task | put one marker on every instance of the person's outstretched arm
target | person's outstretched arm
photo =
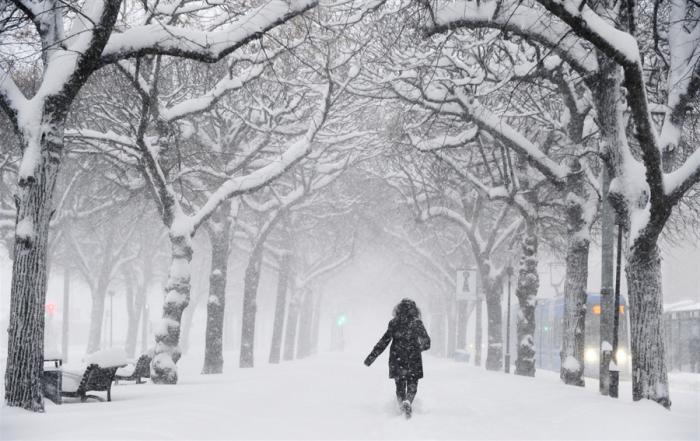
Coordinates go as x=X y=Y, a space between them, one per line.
x=423 y=337
x=380 y=346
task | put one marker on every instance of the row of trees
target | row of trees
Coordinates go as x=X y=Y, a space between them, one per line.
x=507 y=126
x=550 y=106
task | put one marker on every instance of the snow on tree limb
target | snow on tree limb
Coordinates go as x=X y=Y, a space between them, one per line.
x=456 y=102
x=514 y=16
x=446 y=141
x=262 y=176
x=621 y=47
x=204 y=46
x=454 y=217
x=203 y=102
x=680 y=180
x=683 y=74
x=12 y=100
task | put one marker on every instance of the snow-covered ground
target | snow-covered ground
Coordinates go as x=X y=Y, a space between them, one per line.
x=334 y=396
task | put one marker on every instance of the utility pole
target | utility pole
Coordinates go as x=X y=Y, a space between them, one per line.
x=607 y=220
x=66 y=314
x=477 y=332
x=509 y=272
x=615 y=372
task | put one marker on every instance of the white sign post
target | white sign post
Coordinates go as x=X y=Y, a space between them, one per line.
x=466 y=284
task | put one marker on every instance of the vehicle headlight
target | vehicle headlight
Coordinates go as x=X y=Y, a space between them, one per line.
x=621 y=356
x=590 y=355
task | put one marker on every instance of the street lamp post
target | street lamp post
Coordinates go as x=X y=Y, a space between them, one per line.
x=509 y=272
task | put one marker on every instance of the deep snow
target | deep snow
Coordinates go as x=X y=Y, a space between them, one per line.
x=334 y=396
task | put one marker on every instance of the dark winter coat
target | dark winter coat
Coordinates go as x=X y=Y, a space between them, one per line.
x=408 y=339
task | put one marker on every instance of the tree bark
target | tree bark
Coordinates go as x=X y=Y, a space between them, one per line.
x=219 y=232
x=132 y=314
x=144 y=325
x=526 y=292
x=177 y=296
x=97 y=313
x=451 y=323
x=574 y=327
x=478 y=334
x=607 y=97
x=494 y=313
x=290 y=334
x=305 y=324
x=437 y=326
x=649 y=375
x=574 y=339
x=250 y=293
x=607 y=300
x=281 y=301
x=134 y=319
x=25 y=349
x=462 y=307
x=316 y=324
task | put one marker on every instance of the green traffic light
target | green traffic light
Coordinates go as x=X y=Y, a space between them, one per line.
x=340 y=321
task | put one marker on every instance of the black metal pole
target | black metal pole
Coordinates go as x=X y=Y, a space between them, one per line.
x=509 y=272
x=111 y=318
x=66 y=314
x=615 y=373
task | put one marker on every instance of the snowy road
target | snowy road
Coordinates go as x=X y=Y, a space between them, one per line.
x=334 y=396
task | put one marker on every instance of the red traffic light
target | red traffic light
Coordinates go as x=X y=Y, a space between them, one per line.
x=50 y=308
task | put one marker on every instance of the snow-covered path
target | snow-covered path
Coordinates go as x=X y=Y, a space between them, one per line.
x=334 y=396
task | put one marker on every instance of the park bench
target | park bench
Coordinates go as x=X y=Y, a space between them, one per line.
x=95 y=373
x=94 y=378
x=142 y=369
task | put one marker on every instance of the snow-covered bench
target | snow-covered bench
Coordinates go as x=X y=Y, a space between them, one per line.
x=95 y=378
x=135 y=371
x=95 y=374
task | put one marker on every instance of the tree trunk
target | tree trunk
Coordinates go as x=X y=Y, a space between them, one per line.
x=97 y=313
x=316 y=326
x=437 y=326
x=451 y=328
x=177 y=296
x=187 y=318
x=607 y=300
x=130 y=313
x=229 y=321
x=99 y=295
x=219 y=234
x=25 y=349
x=250 y=293
x=526 y=292
x=305 y=324
x=134 y=320
x=574 y=326
x=144 y=325
x=494 y=354
x=478 y=327
x=290 y=334
x=281 y=301
x=649 y=376
x=607 y=96
x=462 y=307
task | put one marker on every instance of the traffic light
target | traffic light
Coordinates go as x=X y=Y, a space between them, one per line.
x=50 y=308
x=340 y=321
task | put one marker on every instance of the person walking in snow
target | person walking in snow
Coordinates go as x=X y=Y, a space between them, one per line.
x=408 y=339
